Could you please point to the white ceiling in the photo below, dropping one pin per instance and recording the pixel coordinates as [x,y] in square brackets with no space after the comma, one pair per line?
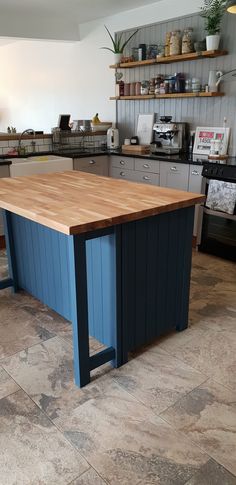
[81,10]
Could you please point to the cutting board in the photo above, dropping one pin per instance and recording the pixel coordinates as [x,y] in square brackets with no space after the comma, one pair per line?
[145,128]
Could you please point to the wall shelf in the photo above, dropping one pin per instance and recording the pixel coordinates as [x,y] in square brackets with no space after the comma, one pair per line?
[194,56]
[167,96]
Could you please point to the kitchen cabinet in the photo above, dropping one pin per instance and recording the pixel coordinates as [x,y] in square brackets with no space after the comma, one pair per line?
[97,165]
[4,172]
[195,185]
[126,163]
[174,175]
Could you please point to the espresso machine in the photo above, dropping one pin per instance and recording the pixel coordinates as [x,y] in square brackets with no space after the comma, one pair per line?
[169,138]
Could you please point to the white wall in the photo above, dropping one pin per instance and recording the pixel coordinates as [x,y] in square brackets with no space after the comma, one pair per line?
[41,79]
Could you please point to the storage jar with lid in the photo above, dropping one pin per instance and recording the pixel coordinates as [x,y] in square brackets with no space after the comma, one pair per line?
[127,89]
[187,41]
[167,44]
[137,88]
[175,43]
[196,85]
[144,87]
[152,51]
[135,53]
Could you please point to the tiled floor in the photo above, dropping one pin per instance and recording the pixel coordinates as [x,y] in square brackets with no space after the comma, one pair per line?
[168,417]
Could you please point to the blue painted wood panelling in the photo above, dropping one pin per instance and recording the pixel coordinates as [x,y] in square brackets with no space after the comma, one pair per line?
[156,265]
[101,279]
[42,256]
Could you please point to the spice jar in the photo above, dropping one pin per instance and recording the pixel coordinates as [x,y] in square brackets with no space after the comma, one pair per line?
[167,44]
[144,87]
[127,89]
[175,43]
[187,41]
[137,89]
[152,86]
[132,89]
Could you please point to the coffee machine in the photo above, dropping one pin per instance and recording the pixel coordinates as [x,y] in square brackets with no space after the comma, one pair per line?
[169,138]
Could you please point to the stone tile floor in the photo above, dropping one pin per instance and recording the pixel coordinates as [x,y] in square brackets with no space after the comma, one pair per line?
[167,417]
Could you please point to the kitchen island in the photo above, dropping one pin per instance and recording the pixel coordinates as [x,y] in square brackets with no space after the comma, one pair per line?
[111,256]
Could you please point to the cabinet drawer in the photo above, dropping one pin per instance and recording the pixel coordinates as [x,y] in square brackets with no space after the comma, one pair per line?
[143,165]
[126,163]
[4,171]
[146,178]
[97,165]
[119,173]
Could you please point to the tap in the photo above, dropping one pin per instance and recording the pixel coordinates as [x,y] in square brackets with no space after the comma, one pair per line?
[29,130]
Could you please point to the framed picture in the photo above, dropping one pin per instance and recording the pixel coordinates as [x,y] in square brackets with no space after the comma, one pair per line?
[205,136]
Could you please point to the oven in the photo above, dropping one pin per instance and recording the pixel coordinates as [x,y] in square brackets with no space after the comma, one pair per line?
[218,229]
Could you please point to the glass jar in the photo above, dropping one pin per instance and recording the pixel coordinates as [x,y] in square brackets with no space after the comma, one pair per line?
[151,51]
[152,86]
[175,43]
[144,87]
[137,89]
[161,50]
[188,86]
[196,85]
[127,89]
[135,53]
[167,44]
[187,41]
[132,89]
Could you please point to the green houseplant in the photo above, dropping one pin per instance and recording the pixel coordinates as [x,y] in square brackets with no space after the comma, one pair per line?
[213,12]
[118,45]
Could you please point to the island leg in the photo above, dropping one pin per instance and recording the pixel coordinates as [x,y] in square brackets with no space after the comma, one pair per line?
[12,280]
[79,309]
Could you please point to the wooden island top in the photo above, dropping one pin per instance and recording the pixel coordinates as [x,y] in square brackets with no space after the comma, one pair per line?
[75,202]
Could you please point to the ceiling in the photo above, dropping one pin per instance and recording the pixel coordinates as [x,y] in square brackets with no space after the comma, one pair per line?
[82,10]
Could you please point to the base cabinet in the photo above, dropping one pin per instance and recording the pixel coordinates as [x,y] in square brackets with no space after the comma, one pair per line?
[4,172]
[174,176]
[195,185]
[97,165]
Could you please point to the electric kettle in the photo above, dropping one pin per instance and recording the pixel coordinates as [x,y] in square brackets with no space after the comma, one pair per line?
[113,138]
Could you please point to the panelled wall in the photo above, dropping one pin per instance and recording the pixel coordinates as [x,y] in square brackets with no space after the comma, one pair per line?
[196,112]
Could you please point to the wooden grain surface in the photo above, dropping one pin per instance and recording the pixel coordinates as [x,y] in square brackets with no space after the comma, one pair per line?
[76,202]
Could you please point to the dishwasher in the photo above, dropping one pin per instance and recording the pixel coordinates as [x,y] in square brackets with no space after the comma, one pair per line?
[39,164]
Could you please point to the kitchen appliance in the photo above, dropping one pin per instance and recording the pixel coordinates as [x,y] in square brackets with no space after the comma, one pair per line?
[169,137]
[113,138]
[218,231]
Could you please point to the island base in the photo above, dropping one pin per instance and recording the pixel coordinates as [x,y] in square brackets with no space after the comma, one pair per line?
[125,286]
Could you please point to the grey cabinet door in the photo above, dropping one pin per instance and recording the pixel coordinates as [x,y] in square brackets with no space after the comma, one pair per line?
[97,165]
[195,185]
[4,172]
[174,175]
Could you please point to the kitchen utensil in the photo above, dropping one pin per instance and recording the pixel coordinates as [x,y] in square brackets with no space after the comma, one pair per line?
[214,80]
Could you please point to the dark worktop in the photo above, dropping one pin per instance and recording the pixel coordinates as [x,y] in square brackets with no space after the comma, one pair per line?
[74,152]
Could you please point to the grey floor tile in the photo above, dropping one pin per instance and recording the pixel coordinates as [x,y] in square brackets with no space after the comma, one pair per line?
[207,416]
[33,451]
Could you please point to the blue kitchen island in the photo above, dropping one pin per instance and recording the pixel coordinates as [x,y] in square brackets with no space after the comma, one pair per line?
[111,256]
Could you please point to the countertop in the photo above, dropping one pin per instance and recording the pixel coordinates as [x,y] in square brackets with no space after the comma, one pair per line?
[76,202]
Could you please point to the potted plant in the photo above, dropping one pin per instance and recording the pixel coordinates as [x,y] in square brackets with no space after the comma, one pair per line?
[118,46]
[213,12]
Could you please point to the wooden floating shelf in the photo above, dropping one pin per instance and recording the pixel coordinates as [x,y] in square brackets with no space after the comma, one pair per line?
[194,56]
[167,96]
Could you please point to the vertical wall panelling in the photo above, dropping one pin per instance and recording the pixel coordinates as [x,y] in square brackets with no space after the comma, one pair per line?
[205,112]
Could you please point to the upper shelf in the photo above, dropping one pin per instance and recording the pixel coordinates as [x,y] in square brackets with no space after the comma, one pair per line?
[194,56]
[168,96]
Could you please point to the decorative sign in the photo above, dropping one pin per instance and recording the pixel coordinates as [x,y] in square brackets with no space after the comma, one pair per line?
[205,138]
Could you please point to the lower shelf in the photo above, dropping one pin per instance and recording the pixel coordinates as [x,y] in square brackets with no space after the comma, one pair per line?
[168,96]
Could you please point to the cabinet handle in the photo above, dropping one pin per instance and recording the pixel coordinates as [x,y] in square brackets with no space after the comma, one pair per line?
[174,169]
[122,174]
[122,162]
[146,165]
[92,162]
[146,177]
[195,172]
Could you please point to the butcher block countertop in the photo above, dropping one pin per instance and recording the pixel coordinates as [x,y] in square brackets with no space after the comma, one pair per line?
[76,202]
